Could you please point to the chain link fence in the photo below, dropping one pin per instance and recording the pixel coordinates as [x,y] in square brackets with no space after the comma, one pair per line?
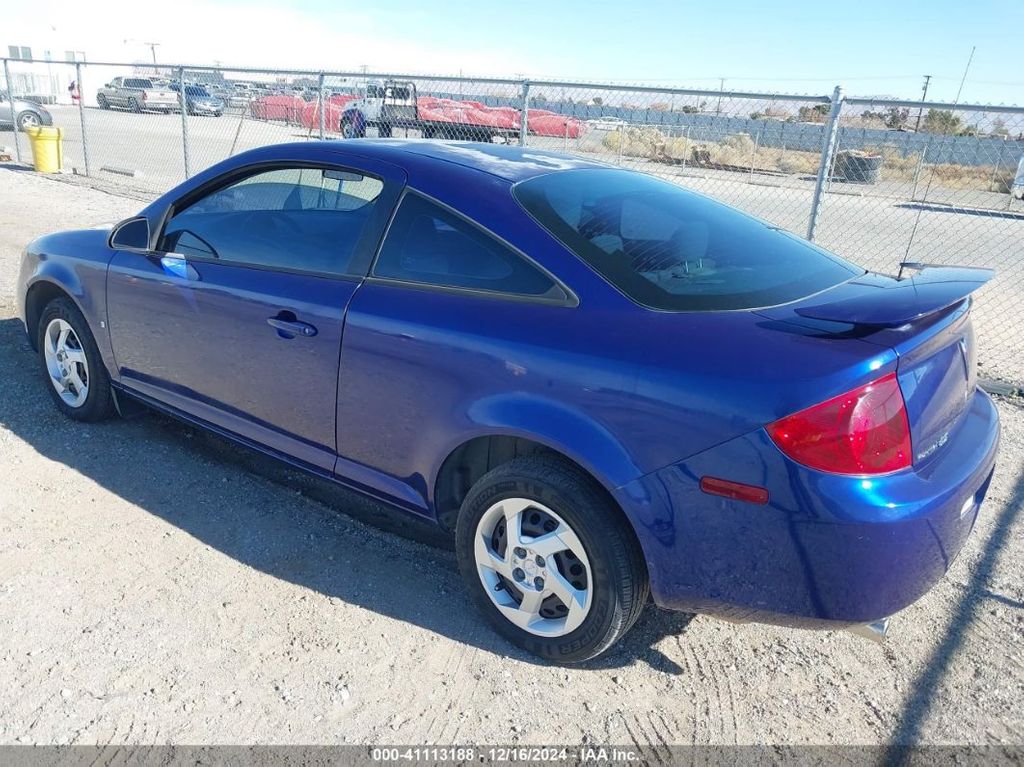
[881,182]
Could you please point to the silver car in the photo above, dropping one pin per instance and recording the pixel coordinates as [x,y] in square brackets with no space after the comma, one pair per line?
[24,114]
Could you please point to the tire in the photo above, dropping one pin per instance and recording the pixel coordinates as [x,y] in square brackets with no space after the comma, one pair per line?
[597,556]
[97,403]
[28,119]
[384,130]
[349,129]
[135,105]
[101,102]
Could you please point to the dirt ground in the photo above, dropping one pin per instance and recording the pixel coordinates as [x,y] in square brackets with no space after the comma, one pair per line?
[160,586]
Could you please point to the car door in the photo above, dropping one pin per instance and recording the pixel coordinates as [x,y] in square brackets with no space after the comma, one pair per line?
[236,316]
[428,334]
[115,92]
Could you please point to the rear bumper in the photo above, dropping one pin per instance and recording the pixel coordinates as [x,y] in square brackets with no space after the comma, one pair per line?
[826,550]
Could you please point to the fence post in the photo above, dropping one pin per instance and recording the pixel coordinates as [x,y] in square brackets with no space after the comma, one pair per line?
[81,116]
[753,152]
[10,103]
[995,170]
[524,120]
[183,103]
[920,166]
[322,105]
[828,149]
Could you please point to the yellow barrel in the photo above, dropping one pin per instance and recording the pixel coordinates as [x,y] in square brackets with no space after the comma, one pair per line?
[47,148]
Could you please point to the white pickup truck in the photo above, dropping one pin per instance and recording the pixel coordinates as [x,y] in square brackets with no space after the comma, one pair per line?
[391,104]
[138,94]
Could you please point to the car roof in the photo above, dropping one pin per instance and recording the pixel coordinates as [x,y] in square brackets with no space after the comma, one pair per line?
[512,163]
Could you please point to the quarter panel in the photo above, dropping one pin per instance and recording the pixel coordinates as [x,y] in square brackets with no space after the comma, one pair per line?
[424,371]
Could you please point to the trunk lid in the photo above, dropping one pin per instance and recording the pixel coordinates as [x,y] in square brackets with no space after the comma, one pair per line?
[925,320]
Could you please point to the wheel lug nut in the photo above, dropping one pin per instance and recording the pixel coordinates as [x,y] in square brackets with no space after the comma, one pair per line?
[518,574]
[540,561]
[519,551]
[538,582]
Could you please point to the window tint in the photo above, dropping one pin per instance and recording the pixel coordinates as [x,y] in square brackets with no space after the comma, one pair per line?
[668,248]
[137,83]
[292,218]
[430,245]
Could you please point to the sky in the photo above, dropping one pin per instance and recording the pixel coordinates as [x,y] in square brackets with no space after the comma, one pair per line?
[872,47]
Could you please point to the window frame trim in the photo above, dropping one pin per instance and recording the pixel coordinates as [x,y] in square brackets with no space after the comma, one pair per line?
[568,299]
[366,239]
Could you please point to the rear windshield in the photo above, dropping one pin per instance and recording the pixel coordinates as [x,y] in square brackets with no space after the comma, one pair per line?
[671,249]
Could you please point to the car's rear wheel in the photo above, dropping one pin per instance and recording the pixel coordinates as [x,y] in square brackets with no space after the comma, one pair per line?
[71,360]
[550,559]
[29,119]
[135,105]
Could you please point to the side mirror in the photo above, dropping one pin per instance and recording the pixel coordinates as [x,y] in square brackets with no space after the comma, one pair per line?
[132,234]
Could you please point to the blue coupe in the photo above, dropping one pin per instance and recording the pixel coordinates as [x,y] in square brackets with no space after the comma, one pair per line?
[606,387]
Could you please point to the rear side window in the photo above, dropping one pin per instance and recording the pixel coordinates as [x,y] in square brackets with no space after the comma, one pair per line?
[671,249]
[133,83]
[306,219]
[430,245]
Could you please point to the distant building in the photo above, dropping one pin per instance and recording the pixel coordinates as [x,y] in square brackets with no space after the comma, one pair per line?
[47,80]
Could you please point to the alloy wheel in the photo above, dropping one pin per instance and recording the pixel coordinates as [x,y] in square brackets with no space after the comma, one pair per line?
[66,362]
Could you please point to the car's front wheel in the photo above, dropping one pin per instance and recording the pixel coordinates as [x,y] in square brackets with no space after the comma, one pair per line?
[29,119]
[550,559]
[71,360]
[349,129]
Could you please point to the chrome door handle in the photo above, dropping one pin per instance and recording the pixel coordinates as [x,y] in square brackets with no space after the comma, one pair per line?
[288,327]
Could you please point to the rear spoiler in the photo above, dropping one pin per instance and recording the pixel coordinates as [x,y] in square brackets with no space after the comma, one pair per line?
[888,302]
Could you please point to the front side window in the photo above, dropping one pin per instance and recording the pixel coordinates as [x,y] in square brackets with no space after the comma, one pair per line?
[430,245]
[307,219]
[670,249]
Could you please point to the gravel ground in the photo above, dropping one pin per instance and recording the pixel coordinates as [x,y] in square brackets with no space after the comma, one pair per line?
[160,586]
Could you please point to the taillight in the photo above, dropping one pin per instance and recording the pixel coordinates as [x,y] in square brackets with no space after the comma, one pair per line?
[864,431]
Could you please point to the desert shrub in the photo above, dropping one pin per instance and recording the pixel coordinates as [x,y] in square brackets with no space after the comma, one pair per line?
[983,178]
[635,142]
[801,163]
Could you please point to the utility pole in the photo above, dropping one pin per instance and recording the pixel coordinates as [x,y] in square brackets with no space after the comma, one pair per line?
[924,97]
[721,87]
[152,50]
